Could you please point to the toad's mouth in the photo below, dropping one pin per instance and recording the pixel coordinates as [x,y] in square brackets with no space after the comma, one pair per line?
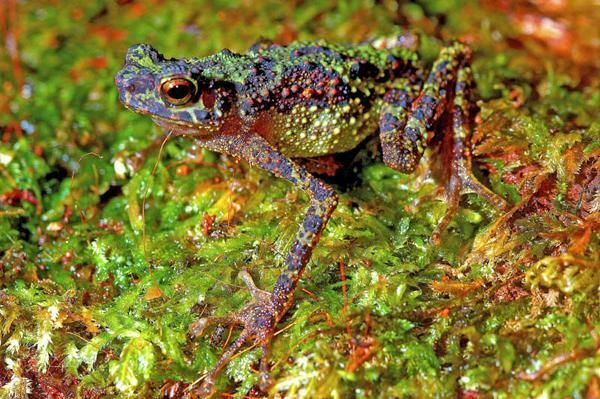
[163,121]
[171,118]
[181,128]
[177,127]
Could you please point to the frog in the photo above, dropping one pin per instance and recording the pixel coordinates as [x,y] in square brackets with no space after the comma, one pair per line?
[274,105]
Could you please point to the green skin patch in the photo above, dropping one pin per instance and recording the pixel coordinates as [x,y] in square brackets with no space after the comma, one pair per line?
[276,103]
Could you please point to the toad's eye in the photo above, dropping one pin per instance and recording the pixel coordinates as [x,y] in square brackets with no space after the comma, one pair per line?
[178,91]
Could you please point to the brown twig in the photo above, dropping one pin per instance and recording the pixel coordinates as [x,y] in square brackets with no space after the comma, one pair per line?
[559,360]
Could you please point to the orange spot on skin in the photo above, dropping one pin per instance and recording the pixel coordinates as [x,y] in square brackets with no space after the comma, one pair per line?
[308,92]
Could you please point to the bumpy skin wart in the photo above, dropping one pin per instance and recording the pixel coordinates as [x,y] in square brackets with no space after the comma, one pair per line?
[276,103]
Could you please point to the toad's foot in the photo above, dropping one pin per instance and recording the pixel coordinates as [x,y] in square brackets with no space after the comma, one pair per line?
[461,181]
[258,319]
[456,156]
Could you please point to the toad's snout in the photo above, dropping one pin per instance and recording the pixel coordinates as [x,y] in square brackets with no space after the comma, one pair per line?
[132,88]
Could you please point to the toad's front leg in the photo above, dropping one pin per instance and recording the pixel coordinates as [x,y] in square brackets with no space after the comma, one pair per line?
[259,318]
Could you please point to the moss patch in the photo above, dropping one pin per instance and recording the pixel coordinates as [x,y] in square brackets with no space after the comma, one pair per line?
[107,256]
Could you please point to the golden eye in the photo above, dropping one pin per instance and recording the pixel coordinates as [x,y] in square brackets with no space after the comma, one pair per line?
[178,91]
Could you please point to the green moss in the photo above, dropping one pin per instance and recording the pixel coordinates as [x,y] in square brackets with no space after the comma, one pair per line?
[107,257]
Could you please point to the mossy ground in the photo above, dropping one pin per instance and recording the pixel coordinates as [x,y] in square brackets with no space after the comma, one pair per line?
[106,257]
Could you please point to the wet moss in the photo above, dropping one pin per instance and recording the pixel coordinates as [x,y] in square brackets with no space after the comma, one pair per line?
[107,256]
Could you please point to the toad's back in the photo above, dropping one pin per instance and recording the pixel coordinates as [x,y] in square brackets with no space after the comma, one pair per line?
[316,98]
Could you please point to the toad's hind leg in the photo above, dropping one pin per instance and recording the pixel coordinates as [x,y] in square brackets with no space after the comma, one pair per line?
[404,125]
[456,151]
